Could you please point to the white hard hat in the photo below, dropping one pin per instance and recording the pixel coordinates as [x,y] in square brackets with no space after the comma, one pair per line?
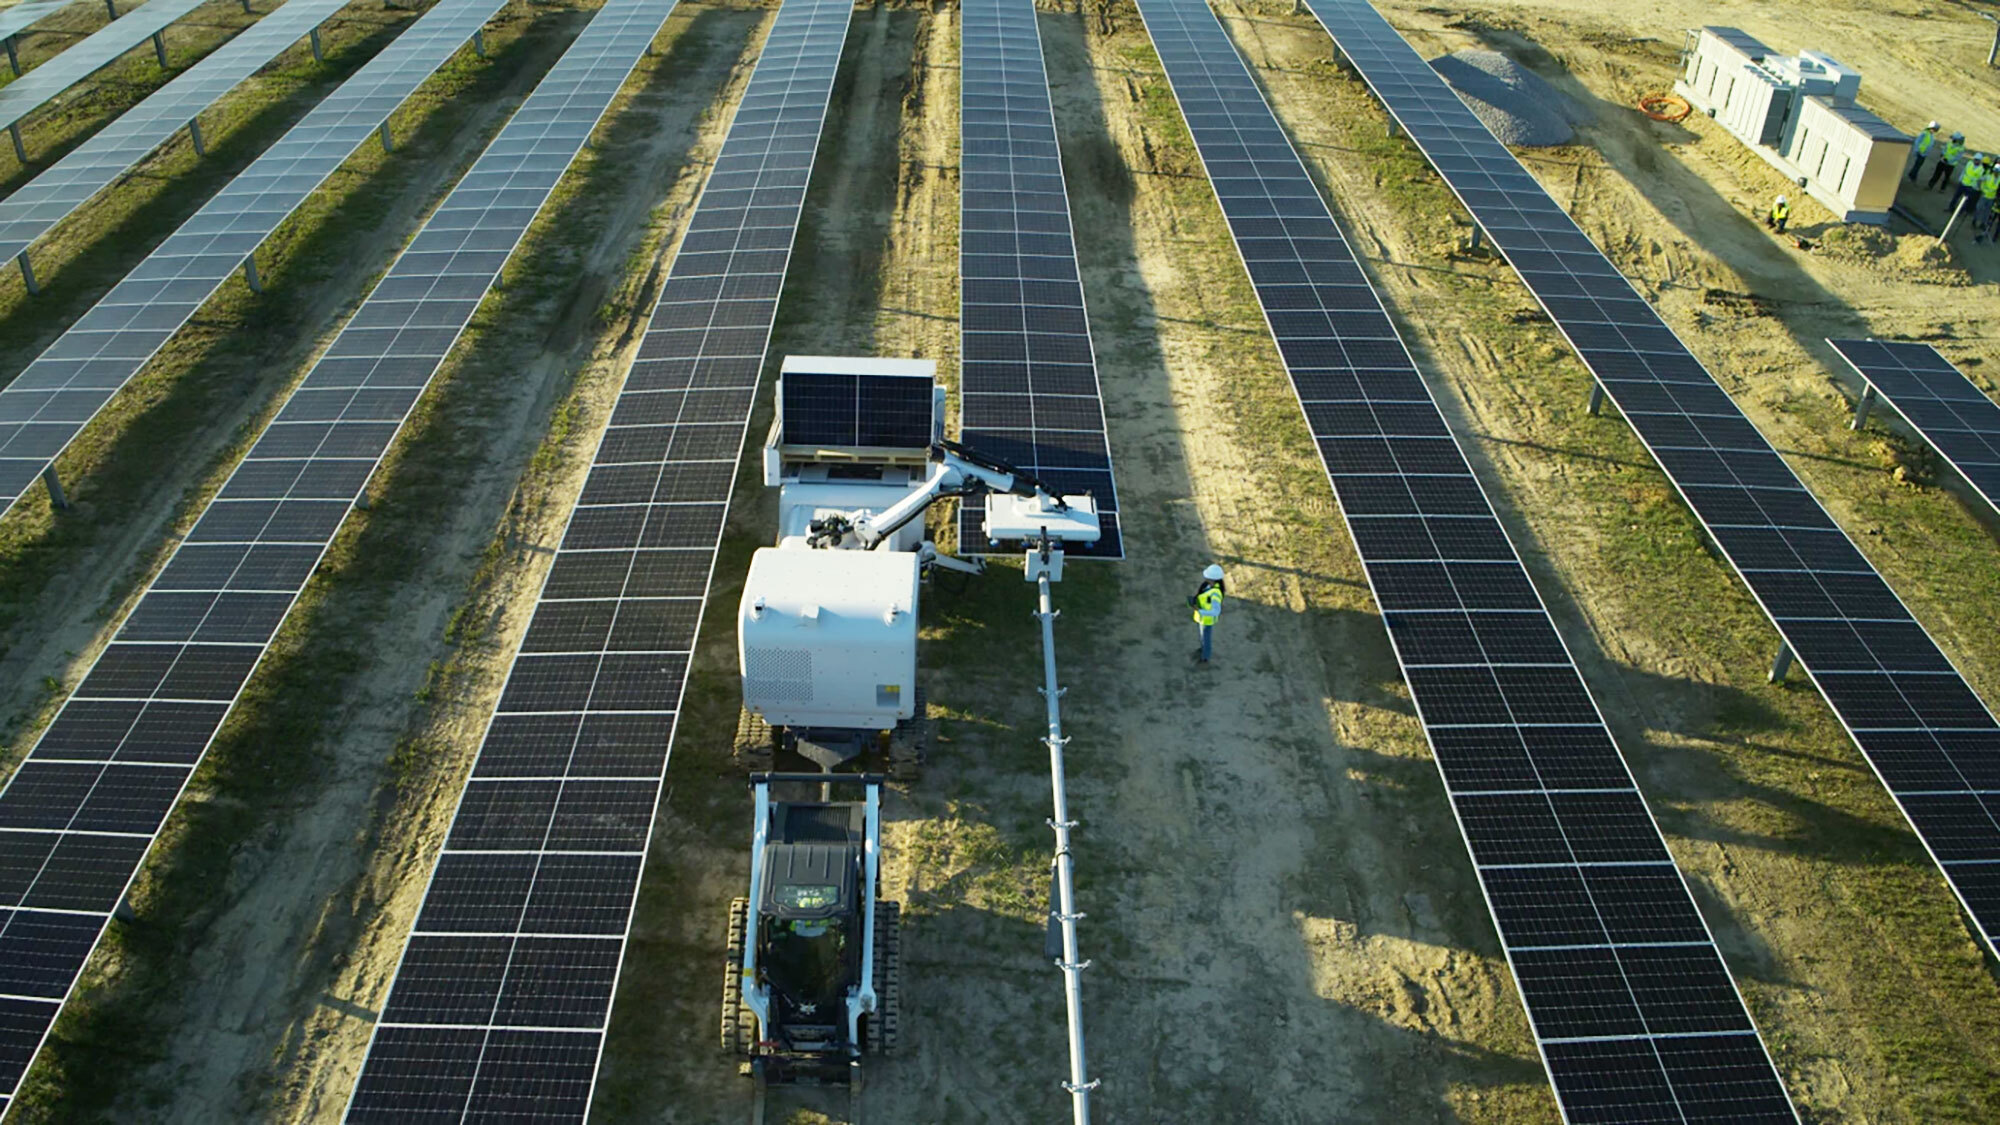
[1781,199]
[1213,573]
[1932,125]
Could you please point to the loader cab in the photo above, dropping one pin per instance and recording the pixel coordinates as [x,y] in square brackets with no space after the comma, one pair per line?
[808,927]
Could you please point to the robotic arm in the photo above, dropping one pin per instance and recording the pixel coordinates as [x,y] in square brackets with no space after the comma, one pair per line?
[955,471]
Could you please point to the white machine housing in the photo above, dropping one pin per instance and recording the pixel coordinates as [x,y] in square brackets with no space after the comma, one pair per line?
[828,638]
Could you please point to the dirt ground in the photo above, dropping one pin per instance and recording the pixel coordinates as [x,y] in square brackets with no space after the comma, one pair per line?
[1283,923]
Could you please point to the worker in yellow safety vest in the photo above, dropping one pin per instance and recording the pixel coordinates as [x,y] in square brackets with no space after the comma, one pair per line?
[1921,150]
[1781,212]
[1970,171]
[1948,161]
[1989,190]
[1207,604]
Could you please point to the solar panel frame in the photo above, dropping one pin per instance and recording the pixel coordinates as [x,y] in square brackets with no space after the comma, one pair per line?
[1829,605]
[1608,950]
[78,817]
[490,1013]
[1028,386]
[1938,401]
[61,391]
[24,16]
[98,50]
[37,206]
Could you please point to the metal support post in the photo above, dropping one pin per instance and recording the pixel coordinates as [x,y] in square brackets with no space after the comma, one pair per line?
[1392,126]
[111,7]
[1946,233]
[20,150]
[27,273]
[246,7]
[388,144]
[13,59]
[250,277]
[1993,52]
[1782,664]
[479,42]
[318,54]
[1477,235]
[194,134]
[57,498]
[160,47]
[1861,408]
[1064,914]
[1596,398]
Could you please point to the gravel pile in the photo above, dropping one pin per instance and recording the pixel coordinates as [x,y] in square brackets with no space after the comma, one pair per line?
[1513,101]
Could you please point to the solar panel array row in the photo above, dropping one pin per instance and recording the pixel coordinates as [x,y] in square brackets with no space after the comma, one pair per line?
[1932,741]
[30,92]
[30,212]
[499,1006]
[20,18]
[1936,398]
[1027,375]
[81,812]
[50,402]
[1633,1009]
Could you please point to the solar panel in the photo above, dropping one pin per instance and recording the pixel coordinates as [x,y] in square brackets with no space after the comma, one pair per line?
[499,1006]
[1937,400]
[100,49]
[20,18]
[50,402]
[78,817]
[1632,1007]
[35,208]
[1916,720]
[1027,374]
[853,409]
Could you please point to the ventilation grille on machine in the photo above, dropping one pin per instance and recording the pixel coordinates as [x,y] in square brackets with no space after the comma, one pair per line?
[779,675]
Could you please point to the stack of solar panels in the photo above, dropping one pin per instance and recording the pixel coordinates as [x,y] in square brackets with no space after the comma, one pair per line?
[499,1007]
[79,815]
[1632,1007]
[1957,418]
[1027,376]
[1930,739]
[856,410]
[50,402]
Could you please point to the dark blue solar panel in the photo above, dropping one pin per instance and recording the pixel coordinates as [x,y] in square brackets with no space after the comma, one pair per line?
[79,815]
[1027,375]
[1621,979]
[1884,677]
[1938,401]
[499,1007]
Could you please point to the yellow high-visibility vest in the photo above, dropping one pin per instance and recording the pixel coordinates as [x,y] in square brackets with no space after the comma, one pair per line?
[1969,175]
[1989,185]
[1781,211]
[1953,150]
[1925,141]
[1208,606]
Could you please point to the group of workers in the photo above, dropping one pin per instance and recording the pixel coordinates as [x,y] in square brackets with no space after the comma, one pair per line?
[1973,178]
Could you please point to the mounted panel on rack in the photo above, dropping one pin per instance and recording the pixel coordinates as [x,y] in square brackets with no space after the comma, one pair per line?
[1920,726]
[79,816]
[1938,401]
[100,49]
[1632,1007]
[57,395]
[500,1004]
[1027,373]
[37,206]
